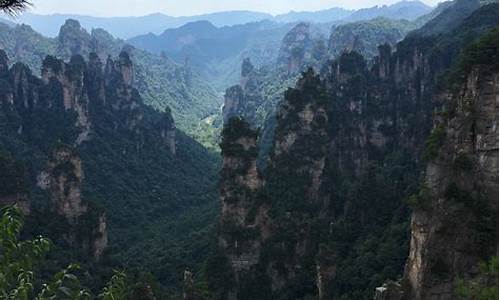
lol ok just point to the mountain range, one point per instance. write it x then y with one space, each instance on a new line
127 27
353 155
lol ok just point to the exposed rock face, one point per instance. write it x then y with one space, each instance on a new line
100 237
167 131
297 48
62 108
241 211
233 102
364 37
335 180
242 100
70 77
453 228
333 126
73 39
63 179
189 290
389 291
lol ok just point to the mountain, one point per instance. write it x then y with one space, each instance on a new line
128 27
101 173
407 10
257 96
450 17
217 52
328 216
321 16
162 82
454 232
364 37
7 22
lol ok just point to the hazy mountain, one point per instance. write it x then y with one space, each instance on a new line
7 22
160 81
327 15
217 52
409 10
127 27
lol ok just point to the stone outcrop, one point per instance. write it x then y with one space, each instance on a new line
167 130
58 114
243 222
334 181
299 48
364 37
70 77
73 39
453 225
242 100
63 180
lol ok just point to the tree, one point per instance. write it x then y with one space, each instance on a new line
13 7
19 261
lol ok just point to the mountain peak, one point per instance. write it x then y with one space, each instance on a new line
71 24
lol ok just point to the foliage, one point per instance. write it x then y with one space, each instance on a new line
17 258
19 262
484 287
116 288
434 142
160 208
161 82
12 175
20 269
65 285
13 7
365 36
421 199
482 53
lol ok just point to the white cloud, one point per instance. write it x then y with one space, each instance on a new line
193 7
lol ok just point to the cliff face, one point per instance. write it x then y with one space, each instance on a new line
364 37
302 46
72 104
347 151
334 133
454 223
63 179
243 221
243 100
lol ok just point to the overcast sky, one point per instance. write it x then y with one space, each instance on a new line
193 7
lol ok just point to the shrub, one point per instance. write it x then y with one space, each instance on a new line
434 142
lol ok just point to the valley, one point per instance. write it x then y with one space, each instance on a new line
335 154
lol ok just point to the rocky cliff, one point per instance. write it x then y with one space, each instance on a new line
302 46
454 223
63 180
364 37
243 222
347 152
162 83
54 116
243 100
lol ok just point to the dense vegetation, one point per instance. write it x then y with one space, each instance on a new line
161 82
160 207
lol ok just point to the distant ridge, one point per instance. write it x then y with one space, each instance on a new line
128 27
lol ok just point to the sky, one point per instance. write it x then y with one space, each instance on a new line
193 7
